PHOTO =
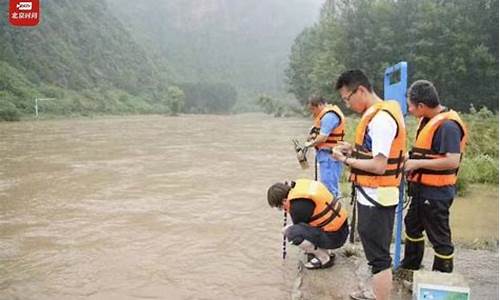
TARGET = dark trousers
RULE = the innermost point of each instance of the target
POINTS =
(433, 216)
(327, 240)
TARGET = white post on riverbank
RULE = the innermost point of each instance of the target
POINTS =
(36, 104)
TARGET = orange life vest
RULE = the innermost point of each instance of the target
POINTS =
(394, 170)
(337, 134)
(423, 150)
(328, 214)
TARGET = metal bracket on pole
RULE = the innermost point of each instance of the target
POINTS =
(397, 91)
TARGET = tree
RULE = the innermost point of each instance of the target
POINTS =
(301, 65)
(453, 43)
(175, 99)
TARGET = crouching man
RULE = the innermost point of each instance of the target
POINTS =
(319, 220)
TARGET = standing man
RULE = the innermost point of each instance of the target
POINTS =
(433, 168)
(327, 131)
(319, 220)
(376, 171)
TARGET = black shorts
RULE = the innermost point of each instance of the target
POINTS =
(297, 233)
(375, 231)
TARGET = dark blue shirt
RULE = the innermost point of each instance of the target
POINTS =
(301, 210)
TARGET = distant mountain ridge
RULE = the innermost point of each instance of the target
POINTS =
(245, 43)
(120, 56)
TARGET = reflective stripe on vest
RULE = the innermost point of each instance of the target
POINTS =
(394, 169)
(423, 150)
(337, 133)
(328, 214)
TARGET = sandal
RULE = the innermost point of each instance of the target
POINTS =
(315, 263)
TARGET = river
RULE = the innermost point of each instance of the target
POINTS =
(145, 207)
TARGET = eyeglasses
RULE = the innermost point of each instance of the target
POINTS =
(348, 98)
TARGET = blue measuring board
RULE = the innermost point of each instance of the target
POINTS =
(397, 91)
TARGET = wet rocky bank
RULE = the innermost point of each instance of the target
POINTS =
(479, 267)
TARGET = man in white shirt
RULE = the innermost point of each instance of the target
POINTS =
(376, 171)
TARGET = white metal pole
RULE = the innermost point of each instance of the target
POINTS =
(40, 99)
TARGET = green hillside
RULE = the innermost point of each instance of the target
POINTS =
(114, 57)
(80, 56)
(221, 56)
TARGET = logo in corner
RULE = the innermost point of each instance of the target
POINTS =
(24, 13)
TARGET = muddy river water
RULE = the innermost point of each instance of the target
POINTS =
(145, 207)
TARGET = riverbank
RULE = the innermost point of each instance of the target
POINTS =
(479, 267)
(475, 236)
